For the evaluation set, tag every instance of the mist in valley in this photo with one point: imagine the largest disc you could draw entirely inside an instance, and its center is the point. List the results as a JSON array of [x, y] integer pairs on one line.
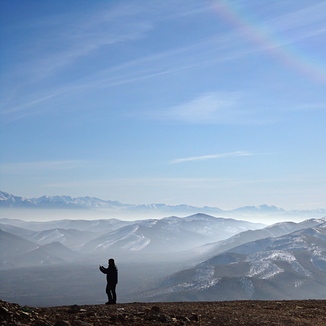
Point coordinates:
[[57, 262], [52, 257]]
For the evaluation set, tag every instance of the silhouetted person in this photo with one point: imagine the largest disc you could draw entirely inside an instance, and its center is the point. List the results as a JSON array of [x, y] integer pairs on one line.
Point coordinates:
[[112, 281]]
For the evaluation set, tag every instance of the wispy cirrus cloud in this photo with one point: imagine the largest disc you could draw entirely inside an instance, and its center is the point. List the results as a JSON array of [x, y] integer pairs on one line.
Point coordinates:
[[307, 16], [80, 36], [213, 156], [212, 108], [73, 35]]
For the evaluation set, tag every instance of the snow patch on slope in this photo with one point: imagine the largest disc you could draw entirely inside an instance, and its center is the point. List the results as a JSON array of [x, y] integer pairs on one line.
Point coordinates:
[[202, 279], [263, 264], [49, 236], [139, 242]]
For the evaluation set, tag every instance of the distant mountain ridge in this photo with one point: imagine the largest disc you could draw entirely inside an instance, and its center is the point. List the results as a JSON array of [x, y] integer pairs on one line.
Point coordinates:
[[92, 203], [9, 200]]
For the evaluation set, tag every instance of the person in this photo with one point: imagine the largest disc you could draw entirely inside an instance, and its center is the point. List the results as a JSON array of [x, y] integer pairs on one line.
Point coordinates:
[[112, 280]]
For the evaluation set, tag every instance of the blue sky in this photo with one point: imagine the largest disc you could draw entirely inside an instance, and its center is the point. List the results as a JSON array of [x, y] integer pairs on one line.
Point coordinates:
[[217, 103]]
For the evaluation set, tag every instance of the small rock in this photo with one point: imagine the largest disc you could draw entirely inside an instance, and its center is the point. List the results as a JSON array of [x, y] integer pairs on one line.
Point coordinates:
[[155, 309], [25, 314], [41, 323], [113, 318], [27, 309], [81, 323], [140, 313], [3, 310], [74, 309], [164, 318], [195, 317], [62, 323], [121, 318], [184, 318]]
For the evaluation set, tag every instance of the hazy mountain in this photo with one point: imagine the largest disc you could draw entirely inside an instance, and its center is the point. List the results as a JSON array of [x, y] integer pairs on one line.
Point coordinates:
[[22, 232], [169, 234], [97, 226], [289, 266], [153, 236], [281, 264], [50, 254], [12, 245], [259, 209], [71, 238], [275, 230], [115, 207], [17, 252]]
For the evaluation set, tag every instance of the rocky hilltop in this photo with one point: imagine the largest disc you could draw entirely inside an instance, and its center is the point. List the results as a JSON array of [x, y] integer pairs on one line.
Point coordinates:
[[294, 312]]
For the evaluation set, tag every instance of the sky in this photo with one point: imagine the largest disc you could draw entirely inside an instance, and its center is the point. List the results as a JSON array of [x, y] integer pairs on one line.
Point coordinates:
[[205, 103]]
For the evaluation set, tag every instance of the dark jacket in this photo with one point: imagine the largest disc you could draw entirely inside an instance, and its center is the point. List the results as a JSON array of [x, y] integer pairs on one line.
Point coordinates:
[[111, 274]]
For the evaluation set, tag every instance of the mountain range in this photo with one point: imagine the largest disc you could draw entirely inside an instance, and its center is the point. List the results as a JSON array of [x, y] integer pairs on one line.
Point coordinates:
[[117, 208], [97, 237], [198, 257], [195, 258], [288, 266]]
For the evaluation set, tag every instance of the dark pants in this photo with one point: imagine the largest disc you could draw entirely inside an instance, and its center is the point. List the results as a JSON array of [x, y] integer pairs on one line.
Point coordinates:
[[110, 291]]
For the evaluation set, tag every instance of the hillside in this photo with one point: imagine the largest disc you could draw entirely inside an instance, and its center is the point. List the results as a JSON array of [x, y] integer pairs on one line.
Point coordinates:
[[97, 237], [232, 313], [291, 266], [284, 261]]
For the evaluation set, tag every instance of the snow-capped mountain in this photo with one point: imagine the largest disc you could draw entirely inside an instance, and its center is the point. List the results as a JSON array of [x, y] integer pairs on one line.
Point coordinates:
[[258, 209], [286, 267], [115, 207], [9, 200]]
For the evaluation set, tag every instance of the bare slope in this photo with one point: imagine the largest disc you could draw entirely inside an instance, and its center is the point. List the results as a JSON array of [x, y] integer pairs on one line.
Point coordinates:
[[231, 313]]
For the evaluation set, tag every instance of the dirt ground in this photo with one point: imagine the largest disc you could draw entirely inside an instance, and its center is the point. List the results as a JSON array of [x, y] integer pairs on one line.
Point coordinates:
[[303, 312]]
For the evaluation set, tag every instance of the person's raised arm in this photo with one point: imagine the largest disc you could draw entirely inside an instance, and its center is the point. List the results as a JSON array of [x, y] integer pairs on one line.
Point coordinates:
[[102, 269]]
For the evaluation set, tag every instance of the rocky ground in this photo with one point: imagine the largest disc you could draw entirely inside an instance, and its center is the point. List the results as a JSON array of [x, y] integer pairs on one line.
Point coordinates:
[[306, 312]]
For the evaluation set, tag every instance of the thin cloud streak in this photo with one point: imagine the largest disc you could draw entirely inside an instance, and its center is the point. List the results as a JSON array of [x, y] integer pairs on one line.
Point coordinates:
[[209, 157], [299, 18], [83, 44], [232, 108], [75, 39]]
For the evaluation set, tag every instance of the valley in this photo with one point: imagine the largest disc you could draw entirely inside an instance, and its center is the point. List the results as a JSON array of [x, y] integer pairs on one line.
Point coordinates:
[[194, 258]]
